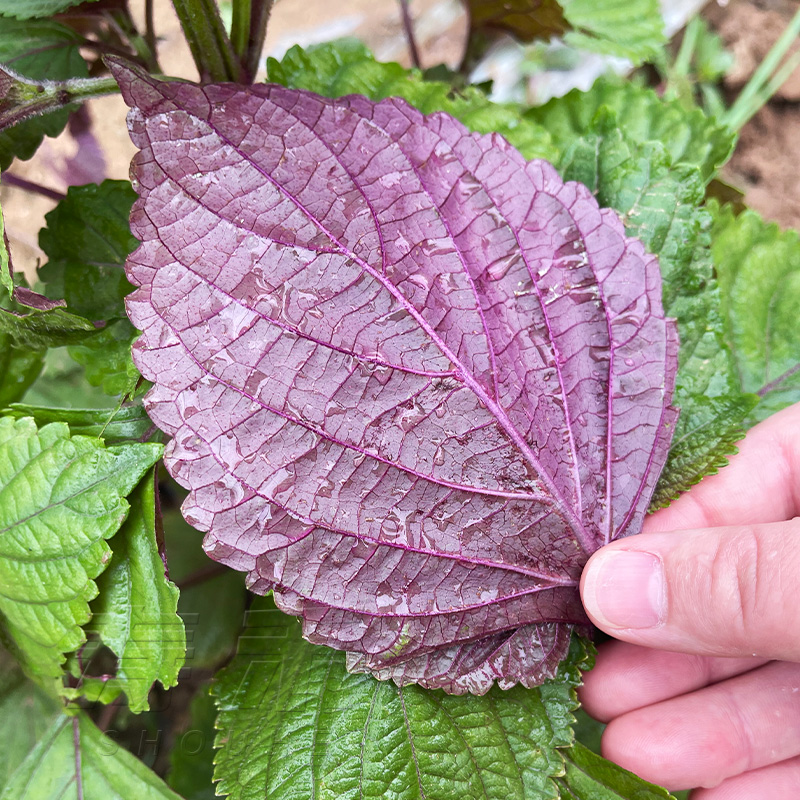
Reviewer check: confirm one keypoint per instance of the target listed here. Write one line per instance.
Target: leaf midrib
(496, 410)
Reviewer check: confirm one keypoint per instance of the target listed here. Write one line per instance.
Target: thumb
(716, 591)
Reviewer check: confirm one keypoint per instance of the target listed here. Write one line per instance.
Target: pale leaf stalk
(248, 31)
(753, 96)
(683, 62)
(208, 40)
(770, 90)
(22, 98)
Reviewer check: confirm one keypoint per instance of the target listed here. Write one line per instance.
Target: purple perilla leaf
(412, 380)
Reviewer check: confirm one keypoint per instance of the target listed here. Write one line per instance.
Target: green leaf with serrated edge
(22, 43)
(135, 611)
(38, 329)
(293, 724)
(758, 269)
(347, 67)
(107, 771)
(29, 320)
(703, 438)
(590, 777)
(87, 240)
(662, 205)
(525, 20)
(688, 134)
(60, 498)
(33, 9)
(113, 426)
(212, 607)
(29, 324)
(26, 713)
(632, 29)
(192, 757)
(42, 50)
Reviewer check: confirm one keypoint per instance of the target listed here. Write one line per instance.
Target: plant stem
(683, 61)
(108, 713)
(201, 575)
(774, 384)
(208, 40)
(757, 91)
(150, 31)
(30, 186)
(125, 26)
(258, 33)
(240, 26)
(76, 743)
(766, 94)
(25, 98)
(248, 31)
(408, 25)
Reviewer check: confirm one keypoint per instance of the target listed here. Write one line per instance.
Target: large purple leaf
(412, 380)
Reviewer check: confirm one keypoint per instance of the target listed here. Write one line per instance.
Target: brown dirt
(766, 164)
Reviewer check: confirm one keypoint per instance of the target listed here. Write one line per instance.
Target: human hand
(723, 711)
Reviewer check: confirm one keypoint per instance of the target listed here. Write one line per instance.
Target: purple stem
(29, 186)
(772, 385)
(201, 575)
(408, 25)
(76, 741)
(150, 29)
(108, 714)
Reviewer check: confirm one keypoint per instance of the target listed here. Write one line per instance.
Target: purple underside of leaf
(412, 380)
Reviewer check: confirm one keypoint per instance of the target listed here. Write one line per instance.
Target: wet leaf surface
(412, 380)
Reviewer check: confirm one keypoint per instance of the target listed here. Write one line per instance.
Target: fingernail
(625, 589)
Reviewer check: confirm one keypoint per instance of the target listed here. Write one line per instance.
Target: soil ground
(766, 165)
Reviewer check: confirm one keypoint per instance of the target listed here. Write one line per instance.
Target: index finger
(760, 484)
